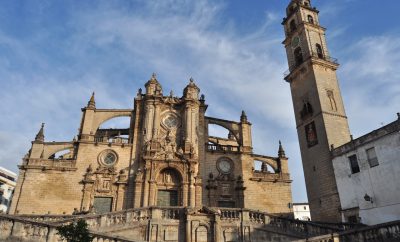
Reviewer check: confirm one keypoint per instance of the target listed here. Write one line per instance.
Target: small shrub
(75, 232)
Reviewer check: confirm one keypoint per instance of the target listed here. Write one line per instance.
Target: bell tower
(320, 116)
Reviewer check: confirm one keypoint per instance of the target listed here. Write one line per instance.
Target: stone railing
(172, 213)
(231, 214)
(303, 228)
(45, 218)
(115, 140)
(119, 218)
(98, 237)
(382, 232)
(339, 226)
(17, 228)
(257, 217)
(223, 148)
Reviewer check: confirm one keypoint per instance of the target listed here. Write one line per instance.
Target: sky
(53, 54)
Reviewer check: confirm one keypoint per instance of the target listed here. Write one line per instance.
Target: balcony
(324, 57)
(114, 140)
(313, 55)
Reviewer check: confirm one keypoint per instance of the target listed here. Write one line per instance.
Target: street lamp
(368, 198)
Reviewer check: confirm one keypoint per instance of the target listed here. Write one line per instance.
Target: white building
(7, 185)
(367, 172)
(301, 211)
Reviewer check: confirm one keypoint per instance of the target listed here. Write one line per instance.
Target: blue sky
(53, 54)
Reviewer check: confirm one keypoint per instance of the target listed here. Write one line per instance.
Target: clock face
(224, 166)
(295, 41)
(171, 122)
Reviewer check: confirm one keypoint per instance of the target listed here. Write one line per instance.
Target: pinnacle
(40, 135)
(243, 117)
(281, 151)
(91, 103)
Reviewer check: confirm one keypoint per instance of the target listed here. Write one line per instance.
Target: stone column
(146, 188)
(199, 194)
(188, 135)
(138, 193)
(185, 186)
(194, 125)
(152, 192)
(188, 228)
(120, 196)
(217, 228)
(156, 120)
(148, 120)
(192, 191)
(87, 189)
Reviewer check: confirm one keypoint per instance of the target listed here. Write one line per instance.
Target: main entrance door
(102, 204)
(167, 198)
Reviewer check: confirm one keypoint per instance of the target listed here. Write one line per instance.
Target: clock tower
(320, 116)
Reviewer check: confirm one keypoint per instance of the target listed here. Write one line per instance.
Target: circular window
(170, 121)
(108, 158)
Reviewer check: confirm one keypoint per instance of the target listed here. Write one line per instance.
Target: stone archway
(169, 188)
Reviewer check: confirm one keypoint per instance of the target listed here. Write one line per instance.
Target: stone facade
(366, 171)
(320, 116)
(164, 158)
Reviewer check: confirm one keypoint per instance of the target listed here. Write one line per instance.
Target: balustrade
(171, 213)
(230, 214)
(222, 148)
(105, 238)
(115, 140)
(381, 232)
(257, 217)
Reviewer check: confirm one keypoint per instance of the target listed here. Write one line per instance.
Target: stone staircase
(178, 224)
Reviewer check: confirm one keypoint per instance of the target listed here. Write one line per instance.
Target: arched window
(319, 51)
(293, 25)
(307, 110)
(310, 19)
(291, 10)
(298, 56)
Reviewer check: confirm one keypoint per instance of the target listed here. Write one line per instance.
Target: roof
(367, 138)
(7, 172)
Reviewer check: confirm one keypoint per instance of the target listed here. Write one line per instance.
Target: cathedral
(165, 157)
(165, 178)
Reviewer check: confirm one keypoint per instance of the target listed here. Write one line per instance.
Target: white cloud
(371, 82)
